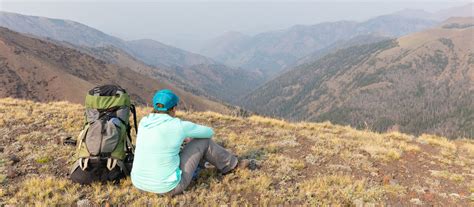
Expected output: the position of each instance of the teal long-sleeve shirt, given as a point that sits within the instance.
(156, 163)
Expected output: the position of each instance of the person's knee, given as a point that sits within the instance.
(199, 143)
(197, 140)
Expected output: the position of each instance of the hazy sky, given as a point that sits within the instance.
(187, 23)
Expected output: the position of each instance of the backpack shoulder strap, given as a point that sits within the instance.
(129, 144)
(81, 136)
(134, 113)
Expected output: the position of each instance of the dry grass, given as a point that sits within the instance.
(299, 163)
(345, 190)
(468, 148)
(437, 141)
(45, 191)
(471, 184)
(447, 175)
(385, 147)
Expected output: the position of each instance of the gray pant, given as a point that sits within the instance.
(207, 150)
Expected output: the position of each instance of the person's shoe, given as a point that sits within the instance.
(250, 164)
(243, 164)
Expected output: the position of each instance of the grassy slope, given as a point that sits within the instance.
(300, 163)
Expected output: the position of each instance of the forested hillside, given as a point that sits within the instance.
(422, 82)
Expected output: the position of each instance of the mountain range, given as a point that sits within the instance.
(152, 52)
(189, 67)
(35, 69)
(422, 82)
(271, 52)
(459, 11)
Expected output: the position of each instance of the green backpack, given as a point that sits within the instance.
(106, 134)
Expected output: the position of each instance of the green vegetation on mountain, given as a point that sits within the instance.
(358, 40)
(423, 82)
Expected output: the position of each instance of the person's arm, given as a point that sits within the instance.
(193, 130)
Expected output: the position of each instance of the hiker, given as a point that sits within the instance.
(159, 165)
(104, 149)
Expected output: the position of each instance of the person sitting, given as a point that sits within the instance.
(159, 165)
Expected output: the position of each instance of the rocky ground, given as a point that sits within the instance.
(298, 164)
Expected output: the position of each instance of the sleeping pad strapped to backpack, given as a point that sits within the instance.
(104, 147)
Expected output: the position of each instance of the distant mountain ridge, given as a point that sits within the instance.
(83, 35)
(459, 11)
(226, 43)
(200, 73)
(40, 70)
(271, 52)
(422, 82)
(116, 56)
(161, 55)
(58, 29)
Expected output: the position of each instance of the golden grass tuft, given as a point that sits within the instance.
(437, 141)
(471, 188)
(399, 136)
(337, 190)
(48, 191)
(395, 189)
(447, 175)
(468, 148)
(271, 122)
(386, 147)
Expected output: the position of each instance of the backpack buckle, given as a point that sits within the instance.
(83, 163)
(111, 163)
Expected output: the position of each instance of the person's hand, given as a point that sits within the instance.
(187, 140)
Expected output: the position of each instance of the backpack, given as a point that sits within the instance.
(106, 134)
